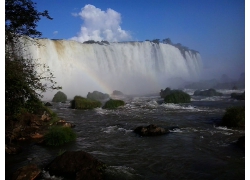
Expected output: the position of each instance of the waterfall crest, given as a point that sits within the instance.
(131, 67)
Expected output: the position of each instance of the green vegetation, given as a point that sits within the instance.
(177, 96)
(117, 93)
(234, 117)
(113, 104)
(98, 96)
(24, 84)
(209, 92)
(59, 97)
(83, 103)
(58, 135)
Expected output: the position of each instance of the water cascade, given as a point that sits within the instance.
(130, 67)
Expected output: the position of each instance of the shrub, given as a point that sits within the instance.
(112, 104)
(177, 96)
(84, 103)
(234, 117)
(59, 135)
(59, 97)
(98, 96)
(166, 92)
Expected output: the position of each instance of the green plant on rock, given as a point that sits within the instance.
(113, 104)
(83, 103)
(177, 96)
(58, 135)
(59, 97)
(234, 117)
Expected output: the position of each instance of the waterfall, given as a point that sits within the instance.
(130, 67)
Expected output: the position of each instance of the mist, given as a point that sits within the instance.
(134, 68)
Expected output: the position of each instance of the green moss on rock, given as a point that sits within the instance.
(112, 104)
(177, 96)
(83, 103)
(98, 96)
(234, 117)
(59, 97)
(59, 135)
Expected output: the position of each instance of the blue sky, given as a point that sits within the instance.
(214, 28)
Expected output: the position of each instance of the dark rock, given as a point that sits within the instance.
(28, 172)
(238, 96)
(150, 130)
(48, 104)
(12, 149)
(64, 124)
(77, 165)
(241, 142)
(117, 93)
(209, 92)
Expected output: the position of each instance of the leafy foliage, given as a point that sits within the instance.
(24, 85)
(59, 97)
(83, 103)
(177, 96)
(98, 96)
(58, 135)
(113, 103)
(234, 117)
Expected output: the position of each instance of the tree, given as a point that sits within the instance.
(167, 41)
(24, 84)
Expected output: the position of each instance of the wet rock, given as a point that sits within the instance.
(29, 172)
(45, 117)
(48, 104)
(150, 130)
(77, 165)
(64, 124)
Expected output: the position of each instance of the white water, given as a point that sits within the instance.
(132, 67)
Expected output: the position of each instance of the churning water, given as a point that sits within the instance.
(195, 148)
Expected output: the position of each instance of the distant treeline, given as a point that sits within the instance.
(156, 41)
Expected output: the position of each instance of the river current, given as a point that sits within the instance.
(195, 148)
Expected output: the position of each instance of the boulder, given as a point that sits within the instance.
(83, 103)
(59, 97)
(177, 96)
(151, 130)
(30, 172)
(98, 96)
(209, 92)
(64, 123)
(238, 96)
(77, 165)
(48, 104)
(113, 104)
(117, 93)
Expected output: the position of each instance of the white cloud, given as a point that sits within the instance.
(100, 25)
(55, 32)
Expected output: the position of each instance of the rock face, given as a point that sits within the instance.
(30, 172)
(151, 130)
(77, 165)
